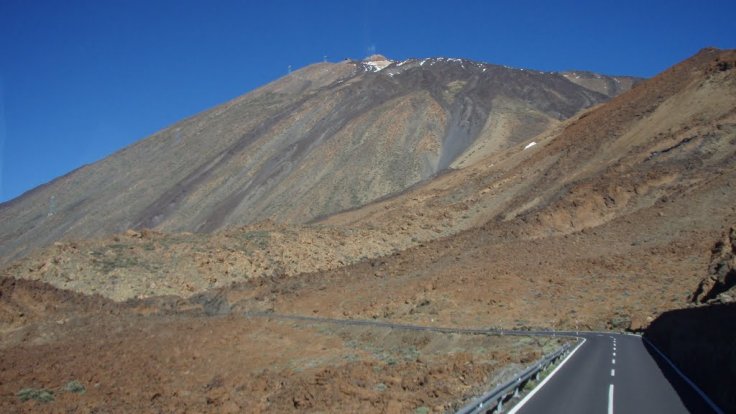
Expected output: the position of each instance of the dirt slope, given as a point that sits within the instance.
(167, 354)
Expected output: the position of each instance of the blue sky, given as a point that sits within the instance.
(82, 79)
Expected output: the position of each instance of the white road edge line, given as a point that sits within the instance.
(610, 399)
(526, 399)
(700, 392)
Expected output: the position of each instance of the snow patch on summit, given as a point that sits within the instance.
(376, 63)
(377, 66)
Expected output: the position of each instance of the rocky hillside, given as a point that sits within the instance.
(326, 138)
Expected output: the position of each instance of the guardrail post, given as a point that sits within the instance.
(516, 392)
(499, 407)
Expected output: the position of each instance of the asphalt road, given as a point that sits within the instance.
(613, 373)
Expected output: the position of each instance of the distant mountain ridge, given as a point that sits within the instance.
(325, 138)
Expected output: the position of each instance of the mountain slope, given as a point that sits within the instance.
(605, 223)
(324, 139)
(608, 221)
(667, 134)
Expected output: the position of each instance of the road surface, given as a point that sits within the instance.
(614, 373)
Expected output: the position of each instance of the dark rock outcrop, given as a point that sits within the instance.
(720, 284)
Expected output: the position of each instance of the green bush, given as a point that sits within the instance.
(38, 394)
(75, 387)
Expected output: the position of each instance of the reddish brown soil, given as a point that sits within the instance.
(134, 358)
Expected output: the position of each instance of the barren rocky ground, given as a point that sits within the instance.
(147, 357)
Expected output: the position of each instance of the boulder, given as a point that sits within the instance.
(719, 286)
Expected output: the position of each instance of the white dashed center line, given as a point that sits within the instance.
(613, 361)
(610, 399)
(613, 372)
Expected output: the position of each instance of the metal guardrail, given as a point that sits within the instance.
(493, 400)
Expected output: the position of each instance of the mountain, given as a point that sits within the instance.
(618, 218)
(326, 138)
(640, 185)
